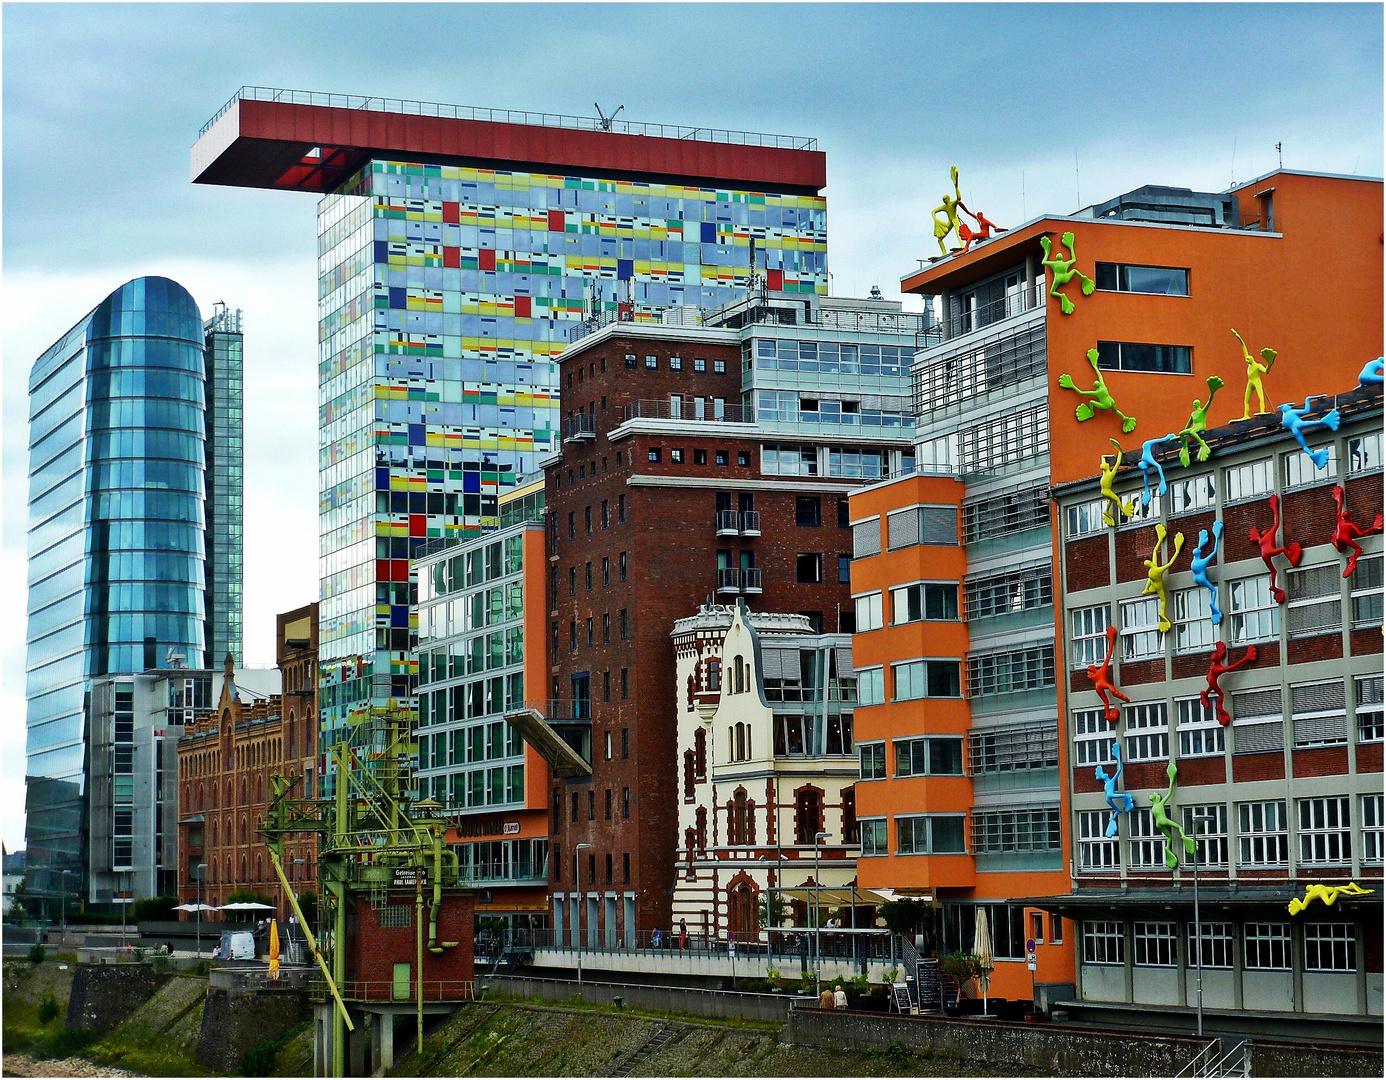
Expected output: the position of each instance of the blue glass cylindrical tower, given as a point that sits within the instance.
(146, 416)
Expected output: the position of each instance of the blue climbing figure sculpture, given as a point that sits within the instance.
(1120, 802)
(1292, 420)
(1371, 374)
(1148, 462)
(1200, 569)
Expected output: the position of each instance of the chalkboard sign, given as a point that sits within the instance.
(901, 998)
(930, 985)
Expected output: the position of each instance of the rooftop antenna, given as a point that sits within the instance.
(1234, 161)
(604, 121)
(1279, 157)
(1077, 187)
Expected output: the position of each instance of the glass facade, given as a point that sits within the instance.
(445, 295)
(225, 484)
(117, 431)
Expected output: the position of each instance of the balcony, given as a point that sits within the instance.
(728, 580)
(688, 408)
(580, 427)
(964, 320)
(750, 523)
(750, 580)
(727, 524)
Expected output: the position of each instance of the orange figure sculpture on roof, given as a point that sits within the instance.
(984, 229)
(1101, 679)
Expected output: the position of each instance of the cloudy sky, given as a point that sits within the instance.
(1045, 108)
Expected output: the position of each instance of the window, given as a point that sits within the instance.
(1325, 831)
(1330, 947)
(699, 364)
(1157, 280)
(625, 629)
(1154, 944)
(1315, 594)
(1263, 837)
(1369, 708)
(1000, 832)
(1190, 495)
(928, 757)
(1200, 734)
(1146, 849)
(1104, 943)
(1093, 737)
(1095, 850)
(1366, 592)
(869, 612)
(699, 457)
(719, 367)
(1258, 722)
(844, 520)
(656, 453)
(572, 525)
(1137, 356)
(1085, 517)
(1140, 636)
(1147, 732)
(1253, 614)
(620, 507)
(1006, 514)
(808, 510)
(1319, 712)
(912, 603)
(1001, 440)
(1371, 829)
(870, 686)
(630, 360)
(587, 576)
(873, 836)
(1216, 942)
(809, 567)
(1299, 471)
(1010, 672)
(651, 362)
(939, 834)
(676, 456)
(621, 566)
(1088, 644)
(1002, 594)
(1193, 627)
(721, 457)
(1207, 823)
(606, 568)
(1249, 480)
(606, 633)
(743, 457)
(927, 678)
(675, 363)
(872, 758)
(1015, 748)
(866, 538)
(1267, 946)
(844, 569)
(1364, 453)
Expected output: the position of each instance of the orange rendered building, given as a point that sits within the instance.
(1293, 262)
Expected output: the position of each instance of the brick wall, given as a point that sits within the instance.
(1369, 757)
(1087, 563)
(1364, 497)
(1268, 766)
(1133, 547)
(373, 950)
(1319, 761)
(1365, 642)
(1196, 771)
(1143, 671)
(1320, 647)
(1188, 666)
(1308, 515)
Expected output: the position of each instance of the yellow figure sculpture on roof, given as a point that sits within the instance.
(1328, 894)
(1110, 465)
(1254, 370)
(949, 209)
(1156, 571)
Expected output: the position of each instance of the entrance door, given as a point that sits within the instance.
(741, 912)
(401, 982)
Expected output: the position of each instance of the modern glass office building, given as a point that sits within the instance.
(225, 483)
(117, 544)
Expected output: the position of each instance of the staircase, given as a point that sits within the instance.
(663, 1036)
(1226, 1056)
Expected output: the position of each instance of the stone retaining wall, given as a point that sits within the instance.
(105, 994)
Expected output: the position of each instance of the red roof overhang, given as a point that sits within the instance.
(273, 144)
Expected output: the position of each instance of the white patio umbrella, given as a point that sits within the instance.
(244, 905)
(981, 949)
(194, 907)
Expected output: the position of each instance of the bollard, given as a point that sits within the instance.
(616, 1001)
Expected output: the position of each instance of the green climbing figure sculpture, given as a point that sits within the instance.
(1064, 271)
(1159, 815)
(949, 222)
(1101, 396)
(1155, 574)
(1198, 424)
(1254, 370)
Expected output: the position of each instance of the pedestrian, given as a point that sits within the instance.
(216, 951)
(839, 997)
(683, 934)
(825, 999)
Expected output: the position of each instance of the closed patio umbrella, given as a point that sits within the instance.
(981, 949)
(274, 949)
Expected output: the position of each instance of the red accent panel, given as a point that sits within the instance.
(452, 212)
(775, 280)
(522, 307)
(418, 526)
(555, 221)
(382, 569)
(452, 256)
(486, 259)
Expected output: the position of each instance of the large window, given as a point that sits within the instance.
(1140, 635)
(1003, 515)
(1010, 672)
(1258, 725)
(927, 600)
(1085, 518)
(927, 678)
(1095, 850)
(1364, 453)
(1003, 594)
(872, 759)
(1325, 831)
(1191, 494)
(781, 460)
(1014, 748)
(1369, 708)
(1200, 734)
(928, 757)
(1298, 470)
(1154, 944)
(931, 834)
(866, 538)
(1104, 943)
(1316, 604)
(1371, 829)
(1147, 731)
(1320, 713)
(1267, 946)
(1193, 628)
(1218, 944)
(1207, 823)
(1089, 635)
(869, 616)
(1157, 280)
(990, 366)
(1140, 356)
(870, 686)
(1003, 439)
(1330, 947)
(1263, 837)
(1093, 737)
(997, 832)
(1146, 851)
(873, 836)
(1253, 614)
(1249, 480)
(1366, 592)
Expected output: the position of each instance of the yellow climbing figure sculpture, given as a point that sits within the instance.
(1254, 370)
(1156, 571)
(949, 210)
(1328, 894)
(1110, 465)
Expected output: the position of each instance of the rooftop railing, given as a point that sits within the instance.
(406, 107)
(688, 408)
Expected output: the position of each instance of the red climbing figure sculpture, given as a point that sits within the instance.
(1347, 532)
(1101, 679)
(1216, 670)
(1265, 539)
(983, 231)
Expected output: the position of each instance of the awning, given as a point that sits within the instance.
(551, 746)
(837, 895)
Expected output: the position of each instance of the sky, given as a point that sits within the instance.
(1044, 108)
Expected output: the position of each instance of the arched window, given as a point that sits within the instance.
(736, 827)
(740, 742)
(702, 828)
(731, 743)
(689, 839)
(808, 814)
(714, 674)
(688, 775)
(700, 753)
(692, 688)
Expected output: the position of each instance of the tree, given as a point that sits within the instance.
(904, 916)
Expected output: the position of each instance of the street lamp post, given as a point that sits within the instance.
(124, 909)
(1198, 941)
(577, 914)
(63, 879)
(201, 873)
(818, 838)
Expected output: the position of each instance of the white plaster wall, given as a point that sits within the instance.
(1218, 988)
(1335, 994)
(1104, 982)
(1155, 986)
(1374, 993)
(1267, 991)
